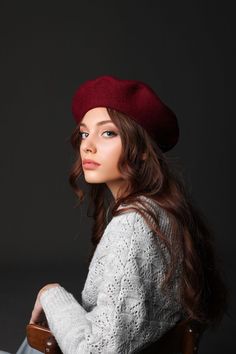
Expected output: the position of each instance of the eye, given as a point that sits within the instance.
(110, 131)
(81, 134)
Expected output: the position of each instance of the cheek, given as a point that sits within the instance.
(111, 156)
(114, 156)
(113, 150)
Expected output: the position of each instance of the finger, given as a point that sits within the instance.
(36, 314)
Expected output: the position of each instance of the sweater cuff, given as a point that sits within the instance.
(56, 298)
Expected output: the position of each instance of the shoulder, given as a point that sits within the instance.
(143, 204)
(134, 220)
(146, 227)
(143, 200)
(129, 235)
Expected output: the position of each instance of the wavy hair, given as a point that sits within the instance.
(203, 292)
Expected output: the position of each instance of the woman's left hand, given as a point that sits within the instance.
(37, 313)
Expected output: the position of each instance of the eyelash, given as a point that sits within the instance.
(110, 131)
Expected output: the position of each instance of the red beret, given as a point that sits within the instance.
(134, 98)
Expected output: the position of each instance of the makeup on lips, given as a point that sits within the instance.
(90, 164)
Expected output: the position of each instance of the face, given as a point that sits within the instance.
(101, 142)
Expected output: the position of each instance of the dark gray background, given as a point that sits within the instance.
(184, 50)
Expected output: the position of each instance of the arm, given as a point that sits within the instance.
(130, 309)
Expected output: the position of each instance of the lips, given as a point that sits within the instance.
(87, 162)
(90, 164)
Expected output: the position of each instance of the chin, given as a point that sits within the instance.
(93, 180)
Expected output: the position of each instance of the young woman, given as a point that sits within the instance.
(153, 262)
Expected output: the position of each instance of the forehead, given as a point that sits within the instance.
(96, 116)
(94, 113)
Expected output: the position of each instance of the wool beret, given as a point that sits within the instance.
(134, 98)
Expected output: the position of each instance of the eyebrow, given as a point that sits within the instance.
(99, 123)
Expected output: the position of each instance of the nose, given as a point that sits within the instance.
(88, 145)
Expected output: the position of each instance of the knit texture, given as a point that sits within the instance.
(123, 306)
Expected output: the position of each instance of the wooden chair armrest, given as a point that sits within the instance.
(40, 337)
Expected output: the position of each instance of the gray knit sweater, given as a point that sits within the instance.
(123, 307)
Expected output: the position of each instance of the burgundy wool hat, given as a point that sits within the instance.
(134, 98)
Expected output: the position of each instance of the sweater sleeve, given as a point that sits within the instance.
(130, 310)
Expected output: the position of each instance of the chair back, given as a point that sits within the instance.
(184, 338)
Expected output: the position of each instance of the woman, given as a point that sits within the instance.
(153, 263)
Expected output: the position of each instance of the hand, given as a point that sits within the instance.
(37, 313)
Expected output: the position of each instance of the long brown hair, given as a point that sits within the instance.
(203, 292)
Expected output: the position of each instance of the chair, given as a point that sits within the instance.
(40, 337)
(182, 339)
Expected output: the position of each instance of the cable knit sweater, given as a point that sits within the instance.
(123, 307)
